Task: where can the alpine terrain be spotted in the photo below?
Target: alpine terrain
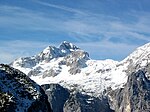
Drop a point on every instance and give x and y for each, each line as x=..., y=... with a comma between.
x=75, y=83
x=18, y=93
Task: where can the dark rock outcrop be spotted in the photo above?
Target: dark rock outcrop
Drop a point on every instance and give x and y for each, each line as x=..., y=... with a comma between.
x=19, y=93
x=57, y=96
x=63, y=100
x=84, y=103
x=135, y=96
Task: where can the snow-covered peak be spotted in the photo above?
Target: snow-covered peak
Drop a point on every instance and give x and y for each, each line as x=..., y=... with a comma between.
x=52, y=52
x=48, y=49
x=67, y=47
x=68, y=65
x=140, y=57
x=49, y=53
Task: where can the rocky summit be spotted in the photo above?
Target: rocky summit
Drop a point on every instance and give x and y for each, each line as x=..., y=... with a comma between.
x=80, y=84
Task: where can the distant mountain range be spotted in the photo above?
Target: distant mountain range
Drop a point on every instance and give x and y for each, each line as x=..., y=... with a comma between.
x=75, y=83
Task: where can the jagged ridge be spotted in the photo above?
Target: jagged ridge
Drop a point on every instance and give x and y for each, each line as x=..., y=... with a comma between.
x=76, y=71
x=18, y=93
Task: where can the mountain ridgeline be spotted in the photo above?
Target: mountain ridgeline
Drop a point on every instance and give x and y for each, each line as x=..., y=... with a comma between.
x=18, y=93
x=75, y=83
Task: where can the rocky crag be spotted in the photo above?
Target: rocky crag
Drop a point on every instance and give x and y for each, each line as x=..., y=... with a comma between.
x=90, y=85
x=18, y=93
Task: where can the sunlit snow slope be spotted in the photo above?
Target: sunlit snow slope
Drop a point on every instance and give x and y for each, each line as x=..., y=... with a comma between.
x=71, y=67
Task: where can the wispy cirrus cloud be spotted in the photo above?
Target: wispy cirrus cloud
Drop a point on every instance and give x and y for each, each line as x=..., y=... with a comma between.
x=13, y=49
x=61, y=7
x=105, y=50
x=95, y=32
x=24, y=19
x=81, y=26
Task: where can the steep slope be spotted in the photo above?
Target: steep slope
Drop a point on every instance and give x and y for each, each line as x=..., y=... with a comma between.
x=64, y=100
x=72, y=68
x=57, y=96
x=68, y=65
x=26, y=64
x=79, y=102
x=18, y=93
x=140, y=58
x=135, y=96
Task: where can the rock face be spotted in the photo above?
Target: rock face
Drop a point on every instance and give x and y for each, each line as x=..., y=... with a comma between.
x=46, y=55
x=78, y=102
x=63, y=100
x=18, y=93
x=121, y=86
x=57, y=96
x=67, y=48
x=135, y=96
x=75, y=61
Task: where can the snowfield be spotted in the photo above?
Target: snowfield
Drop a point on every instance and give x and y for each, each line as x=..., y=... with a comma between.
x=71, y=67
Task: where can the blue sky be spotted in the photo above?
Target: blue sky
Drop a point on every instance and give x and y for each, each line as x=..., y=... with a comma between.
x=104, y=28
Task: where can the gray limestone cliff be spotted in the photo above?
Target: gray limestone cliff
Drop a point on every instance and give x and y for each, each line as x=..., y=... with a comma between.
x=78, y=102
x=63, y=100
x=57, y=96
x=135, y=96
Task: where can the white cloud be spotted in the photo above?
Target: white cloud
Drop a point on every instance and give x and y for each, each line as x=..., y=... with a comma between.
x=81, y=26
x=10, y=50
x=6, y=57
x=23, y=19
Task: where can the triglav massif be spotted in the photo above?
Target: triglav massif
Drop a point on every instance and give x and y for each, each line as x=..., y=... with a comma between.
x=66, y=79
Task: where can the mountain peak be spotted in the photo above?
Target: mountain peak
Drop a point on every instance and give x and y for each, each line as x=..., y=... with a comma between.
x=141, y=56
x=49, y=53
x=48, y=49
x=67, y=47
